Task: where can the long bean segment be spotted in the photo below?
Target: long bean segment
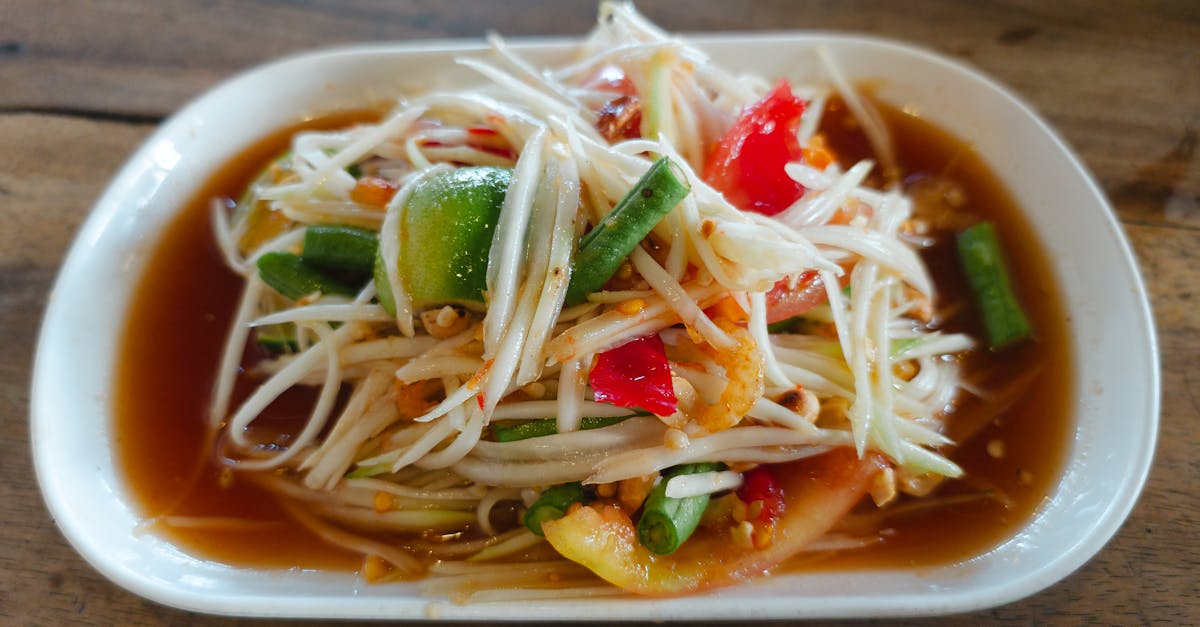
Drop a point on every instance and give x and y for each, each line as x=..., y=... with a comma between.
x=553, y=504
x=602, y=249
x=547, y=426
x=340, y=247
x=667, y=522
x=290, y=276
x=983, y=262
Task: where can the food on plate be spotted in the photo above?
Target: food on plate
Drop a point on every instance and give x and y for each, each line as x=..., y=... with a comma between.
x=633, y=317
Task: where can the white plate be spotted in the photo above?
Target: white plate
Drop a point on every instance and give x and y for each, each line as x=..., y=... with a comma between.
x=1113, y=337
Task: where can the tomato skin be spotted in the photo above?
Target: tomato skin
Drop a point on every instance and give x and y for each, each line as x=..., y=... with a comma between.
x=747, y=164
x=635, y=374
x=785, y=301
x=820, y=491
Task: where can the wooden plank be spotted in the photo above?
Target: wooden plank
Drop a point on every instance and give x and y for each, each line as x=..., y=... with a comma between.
x=51, y=171
x=1118, y=80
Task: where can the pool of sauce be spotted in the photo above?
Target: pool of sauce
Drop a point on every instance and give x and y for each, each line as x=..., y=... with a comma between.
x=170, y=349
x=955, y=188
x=181, y=310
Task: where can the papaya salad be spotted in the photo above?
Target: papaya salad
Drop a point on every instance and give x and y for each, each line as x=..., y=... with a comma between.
x=628, y=317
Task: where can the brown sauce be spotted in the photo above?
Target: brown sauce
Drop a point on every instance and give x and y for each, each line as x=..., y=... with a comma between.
x=953, y=186
x=182, y=307
x=171, y=345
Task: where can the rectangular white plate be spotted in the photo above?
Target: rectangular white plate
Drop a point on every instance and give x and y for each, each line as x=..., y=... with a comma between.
x=1117, y=378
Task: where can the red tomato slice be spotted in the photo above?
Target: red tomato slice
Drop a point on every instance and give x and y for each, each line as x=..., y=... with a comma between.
x=747, y=164
x=820, y=490
x=635, y=374
x=785, y=301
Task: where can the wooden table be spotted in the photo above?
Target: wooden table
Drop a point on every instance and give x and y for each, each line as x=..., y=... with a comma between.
x=81, y=84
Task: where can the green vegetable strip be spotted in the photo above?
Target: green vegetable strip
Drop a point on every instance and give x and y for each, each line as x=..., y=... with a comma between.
x=553, y=504
x=899, y=346
x=983, y=262
x=667, y=522
x=338, y=247
x=277, y=338
x=290, y=276
x=369, y=471
x=610, y=242
x=547, y=426
x=658, y=101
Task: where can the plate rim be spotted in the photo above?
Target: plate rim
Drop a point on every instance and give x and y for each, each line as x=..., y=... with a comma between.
x=104, y=210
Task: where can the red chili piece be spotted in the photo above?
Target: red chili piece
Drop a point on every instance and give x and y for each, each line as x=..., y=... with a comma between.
x=760, y=484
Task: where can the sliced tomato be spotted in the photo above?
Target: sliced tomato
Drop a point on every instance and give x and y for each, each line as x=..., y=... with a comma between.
x=818, y=493
x=635, y=374
x=785, y=300
x=747, y=164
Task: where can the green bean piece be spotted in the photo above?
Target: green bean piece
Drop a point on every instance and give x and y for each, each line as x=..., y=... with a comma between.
x=338, y=247
x=602, y=249
x=553, y=504
x=290, y=276
x=547, y=426
x=983, y=262
x=667, y=522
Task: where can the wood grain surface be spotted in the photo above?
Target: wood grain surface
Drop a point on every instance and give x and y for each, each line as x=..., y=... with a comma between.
x=83, y=83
